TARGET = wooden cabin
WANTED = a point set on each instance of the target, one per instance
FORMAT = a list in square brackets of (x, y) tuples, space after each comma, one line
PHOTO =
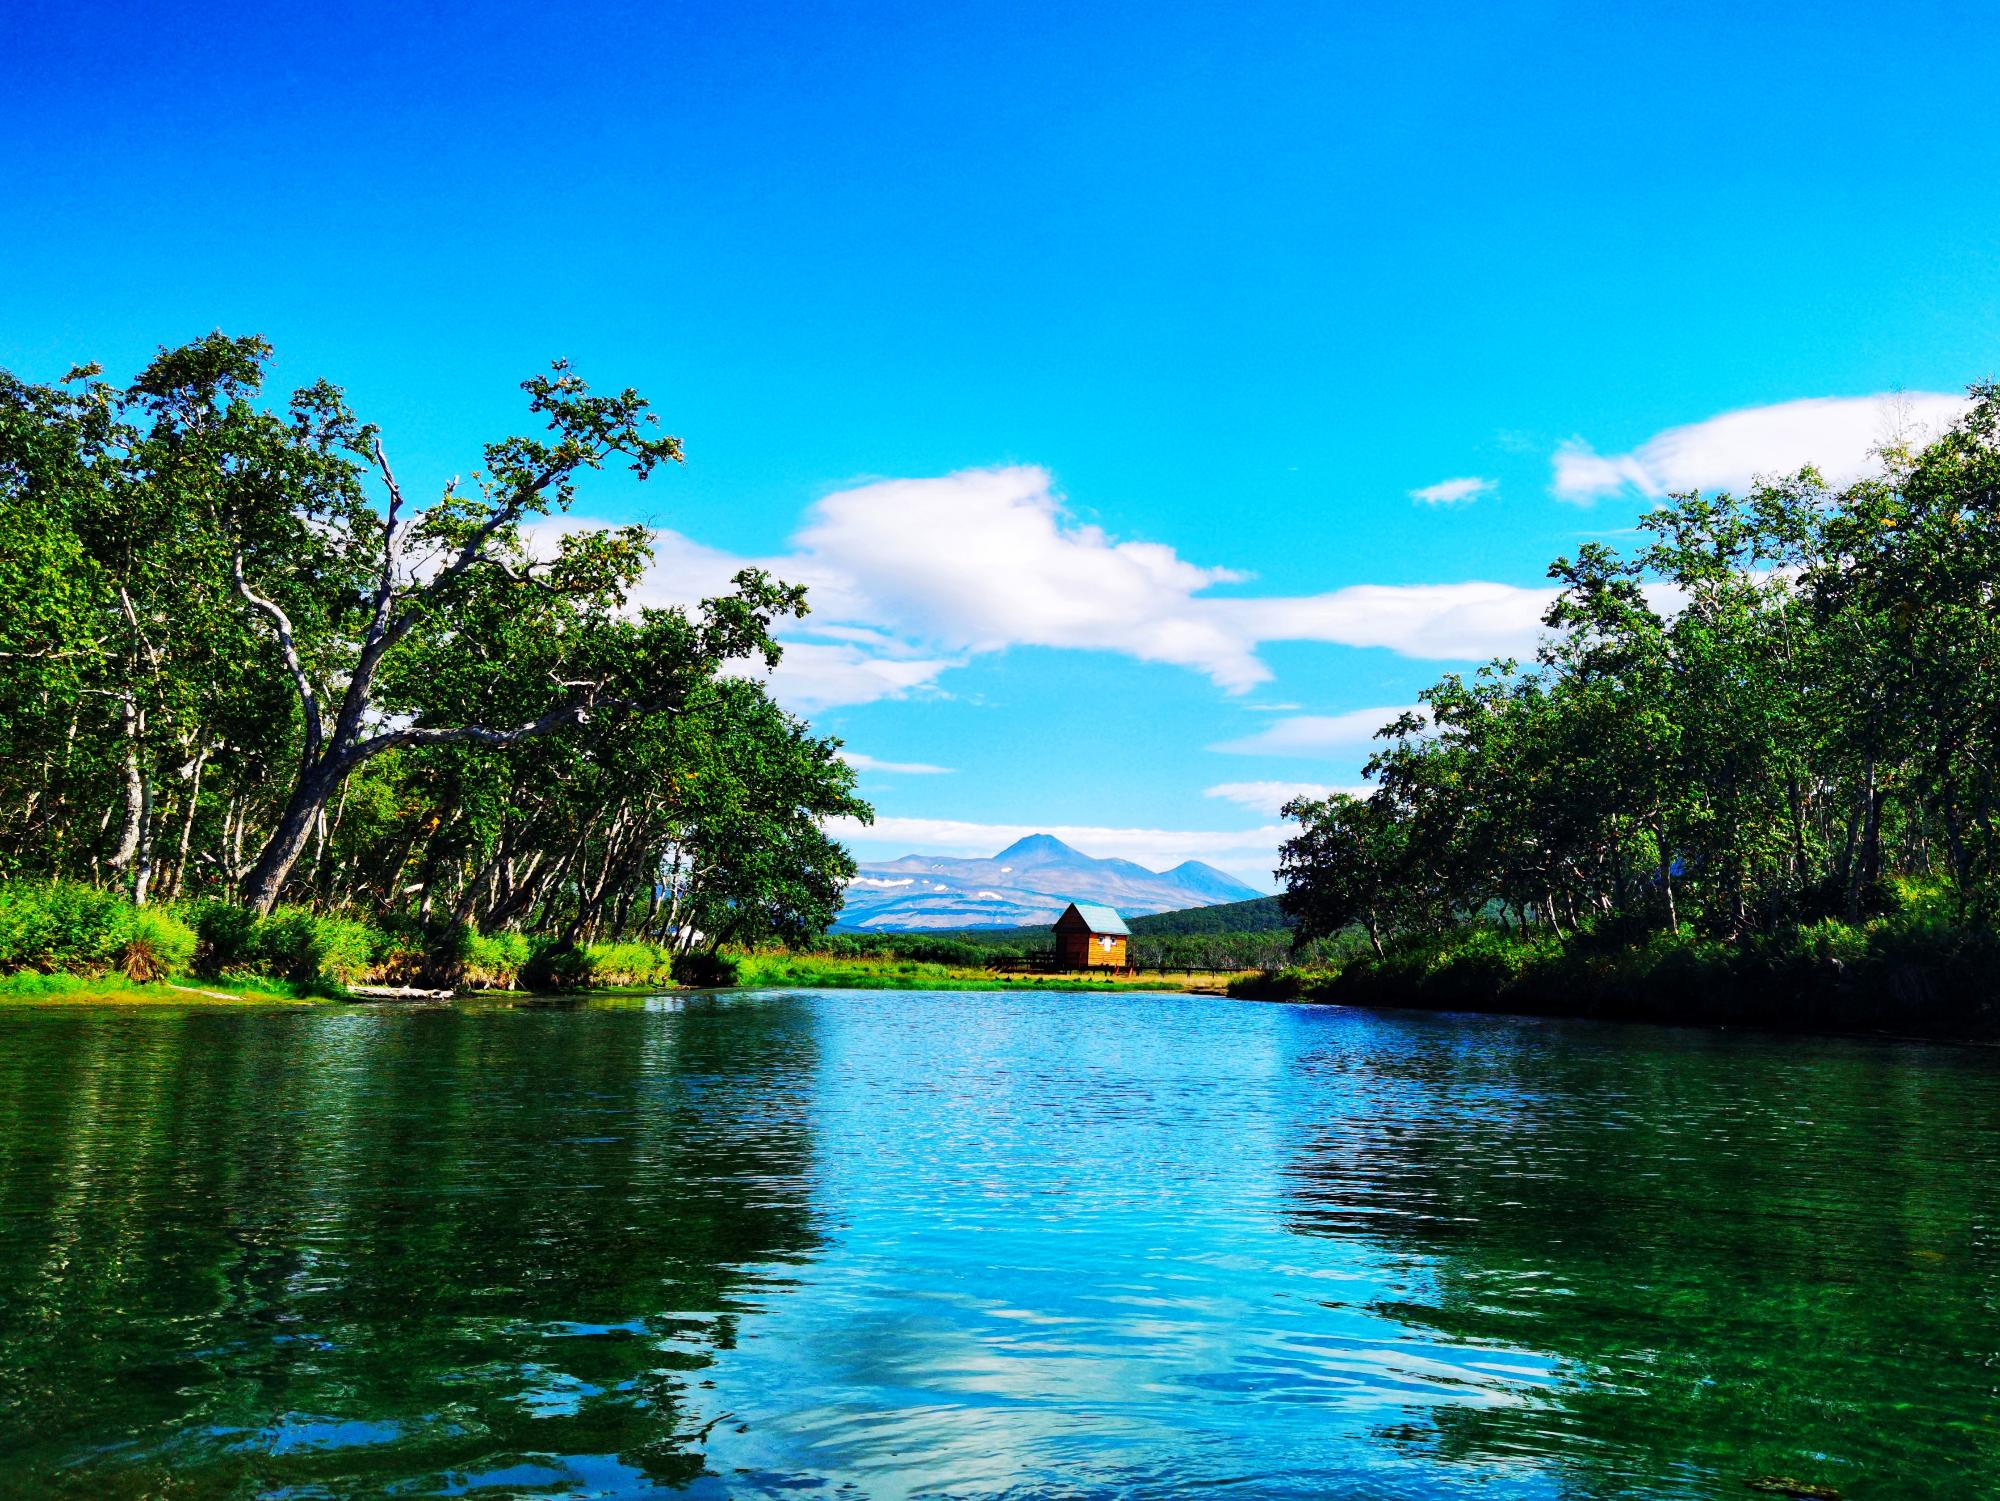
[(1090, 937)]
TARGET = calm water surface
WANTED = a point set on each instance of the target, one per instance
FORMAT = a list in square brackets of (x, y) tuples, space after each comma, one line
[(890, 1245)]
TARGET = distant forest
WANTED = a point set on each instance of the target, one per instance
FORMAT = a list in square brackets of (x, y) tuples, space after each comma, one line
[(1254, 934), (1261, 914)]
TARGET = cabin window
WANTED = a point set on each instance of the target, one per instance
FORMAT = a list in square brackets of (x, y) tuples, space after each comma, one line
[(1104, 942)]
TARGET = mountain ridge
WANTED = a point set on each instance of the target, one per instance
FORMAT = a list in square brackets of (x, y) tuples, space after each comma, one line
[(1026, 884)]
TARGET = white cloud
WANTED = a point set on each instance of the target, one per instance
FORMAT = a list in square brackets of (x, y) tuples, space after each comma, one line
[(892, 768), (1249, 853), (1454, 492), (1838, 434), (910, 578), (1316, 734), (1268, 797), (988, 558)]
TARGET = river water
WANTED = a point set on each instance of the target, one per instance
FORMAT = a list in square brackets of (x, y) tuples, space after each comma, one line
[(882, 1245)]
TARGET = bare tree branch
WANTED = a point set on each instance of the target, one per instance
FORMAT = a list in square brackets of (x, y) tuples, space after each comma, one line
[(281, 623)]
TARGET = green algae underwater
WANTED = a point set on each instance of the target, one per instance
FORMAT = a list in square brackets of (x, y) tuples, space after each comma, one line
[(987, 1245)]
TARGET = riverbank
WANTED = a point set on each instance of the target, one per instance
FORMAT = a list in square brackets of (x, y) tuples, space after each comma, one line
[(1905, 975), (115, 989), (752, 972), (823, 972), (69, 943)]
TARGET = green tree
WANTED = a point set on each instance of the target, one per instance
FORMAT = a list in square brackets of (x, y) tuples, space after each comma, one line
[(1753, 720), (241, 660), (1347, 867)]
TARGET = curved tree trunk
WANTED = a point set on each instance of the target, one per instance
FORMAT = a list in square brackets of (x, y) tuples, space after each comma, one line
[(289, 837)]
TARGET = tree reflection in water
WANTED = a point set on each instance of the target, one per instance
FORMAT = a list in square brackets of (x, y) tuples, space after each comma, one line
[(905, 1245), (1746, 1258), (488, 1248)]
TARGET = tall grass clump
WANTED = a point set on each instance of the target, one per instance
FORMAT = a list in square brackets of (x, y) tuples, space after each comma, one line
[(157, 944), (495, 960), (629, 964)]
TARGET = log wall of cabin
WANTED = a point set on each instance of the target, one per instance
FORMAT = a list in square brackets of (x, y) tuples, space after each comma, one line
[(1080, 950)]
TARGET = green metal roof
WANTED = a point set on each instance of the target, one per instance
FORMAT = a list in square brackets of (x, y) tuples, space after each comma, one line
[(1099, 919)]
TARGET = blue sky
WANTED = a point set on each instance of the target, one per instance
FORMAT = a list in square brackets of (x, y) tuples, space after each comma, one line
[(1033, 336)]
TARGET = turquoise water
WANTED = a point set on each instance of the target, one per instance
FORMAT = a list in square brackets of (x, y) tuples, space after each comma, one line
[(848, 1244)]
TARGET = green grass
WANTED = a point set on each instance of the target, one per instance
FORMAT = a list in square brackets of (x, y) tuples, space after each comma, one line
[(815, 971), (31, 988)]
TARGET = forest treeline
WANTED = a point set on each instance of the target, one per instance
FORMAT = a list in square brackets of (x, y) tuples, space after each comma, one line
[(240, 665), (1757, 752)]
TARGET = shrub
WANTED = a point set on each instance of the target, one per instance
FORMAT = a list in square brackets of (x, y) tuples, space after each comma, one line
[(289, 944), (65, 927), (1832, 941), (62, 926), (1923, 899), (629, 964), (401, 959), (496, 959), (555, 964), (410, 951), (224, 931), (279, 944), (341, 950), (1287, 984), (157, 944)]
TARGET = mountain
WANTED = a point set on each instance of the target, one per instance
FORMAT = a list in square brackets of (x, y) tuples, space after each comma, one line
[(1260, 914), (1216, 885), (1027, 884)]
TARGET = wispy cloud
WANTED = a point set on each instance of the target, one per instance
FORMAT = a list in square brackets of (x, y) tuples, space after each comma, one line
[(829, 675), (1268, 797), (1436, 622), (1838, 434), (893, 768), (1454, 492), (1315, 734)]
